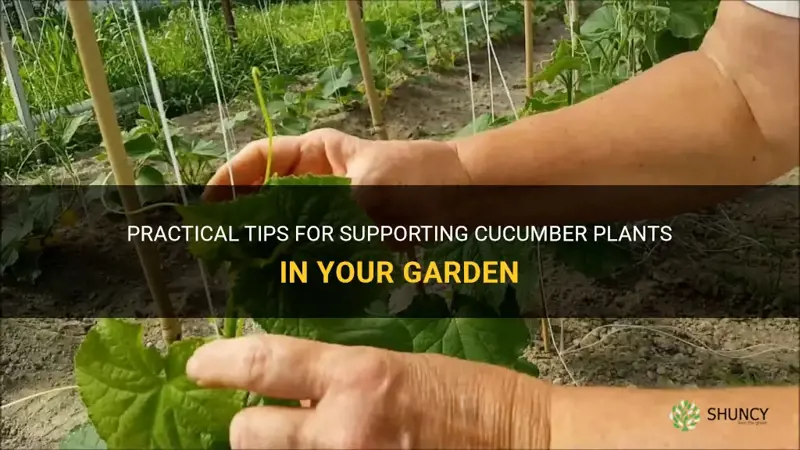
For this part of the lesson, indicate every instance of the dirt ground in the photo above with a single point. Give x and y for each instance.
(37, 353)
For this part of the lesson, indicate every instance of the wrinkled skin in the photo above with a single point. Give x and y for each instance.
(366, 398)
(361, 397)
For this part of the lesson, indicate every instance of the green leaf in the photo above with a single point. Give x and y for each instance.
(291, 98)
(492, 294)
(557, 67)
(375, 28)
(241, 116)
(293, 126)
(149, 176)
(684, 26)
(8, 256)
(594, 259)
(207, 148)
(525, 366)
(137, 398)
(388, 333)
(147, 113)
(290, 202)
(426, 307)
(667, 45)
(72, 127)
(596, 84)
(260, 400)
(602, 20)
(686, 19)
(492, 340)
(543, 102)
(333, 86)
(83, 437)
(321, 105)
(481, 123)
(44, 209)
(381, 332)
(657, 10)
(309, 180)
(141, 147)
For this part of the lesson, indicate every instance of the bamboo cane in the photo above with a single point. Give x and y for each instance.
(528, 12)
(357, 26)
(574, 30)
(230, 22)
(528, 15)
(94, 74)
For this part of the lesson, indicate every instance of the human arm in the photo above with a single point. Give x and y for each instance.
(726, 114)
(367, 398)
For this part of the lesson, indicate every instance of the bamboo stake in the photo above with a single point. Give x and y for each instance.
(357, 25)
(230, 22)
(94, 73)
(528, 12)
(574, 29)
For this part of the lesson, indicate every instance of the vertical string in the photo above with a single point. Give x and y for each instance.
(215, 72)
(489, 57)
(173, 156)
(422, 34)
(140, 80)
(215, 79)
(159, 102)
(326, 43)
(499, 68)
(469, 67)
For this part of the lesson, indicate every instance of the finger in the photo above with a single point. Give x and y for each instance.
(248, 167)
(270, 365)
(268, 427)
(316, 158)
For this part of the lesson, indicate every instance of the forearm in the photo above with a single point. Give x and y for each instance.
(681, 123)
(603, 417)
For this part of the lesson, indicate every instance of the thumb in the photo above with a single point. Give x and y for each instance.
(248, 167)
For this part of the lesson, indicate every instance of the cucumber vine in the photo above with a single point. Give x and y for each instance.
(138, 397)
(267, 122)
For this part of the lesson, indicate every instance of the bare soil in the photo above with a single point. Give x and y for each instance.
(37, 353)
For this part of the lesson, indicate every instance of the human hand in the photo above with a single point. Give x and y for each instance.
(368, 398)
(331, 152)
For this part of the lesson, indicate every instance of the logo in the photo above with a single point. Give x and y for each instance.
(742, 416)
(685, 416)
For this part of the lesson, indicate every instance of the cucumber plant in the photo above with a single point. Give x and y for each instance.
(137, 396)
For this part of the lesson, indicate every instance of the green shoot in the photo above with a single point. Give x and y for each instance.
(267, 122)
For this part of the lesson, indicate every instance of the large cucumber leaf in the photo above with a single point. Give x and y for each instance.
(291, 202)
(138, 398)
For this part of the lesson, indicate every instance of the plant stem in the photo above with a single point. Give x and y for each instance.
(231, 324)
(412, 256)
(267, 122)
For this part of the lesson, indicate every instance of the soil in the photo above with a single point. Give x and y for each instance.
(37, 353)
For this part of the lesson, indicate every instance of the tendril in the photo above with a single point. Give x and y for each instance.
(267, 122)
